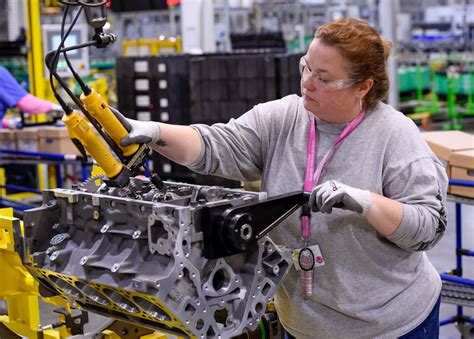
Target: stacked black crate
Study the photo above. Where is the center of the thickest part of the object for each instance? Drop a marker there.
(288, 76)
(173, 90)
(295, 77)
(124, 68)
(283, 75)
(256, 81)
(195, 86)
(170, 88)
(270, 81)
(226, 86)
(264, 42)
(134, 87)
(201, 89)
(155, 88)
(142, 88)
(249, 80)
(208, 79)
(170, 104)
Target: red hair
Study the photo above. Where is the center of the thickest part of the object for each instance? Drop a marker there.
(365, 51)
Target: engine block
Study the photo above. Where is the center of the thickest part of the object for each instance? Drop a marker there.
(136, 254)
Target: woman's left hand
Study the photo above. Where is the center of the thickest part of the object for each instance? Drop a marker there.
(335, 194)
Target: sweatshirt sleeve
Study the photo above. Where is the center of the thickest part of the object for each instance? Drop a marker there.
(234, 150)
(421, 187)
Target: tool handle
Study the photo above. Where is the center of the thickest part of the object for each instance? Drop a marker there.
(81, 130)
(101, 112)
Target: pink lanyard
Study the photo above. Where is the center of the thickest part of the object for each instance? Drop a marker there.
(312, 178)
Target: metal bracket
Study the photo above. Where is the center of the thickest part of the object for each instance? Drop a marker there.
(230, 230)
(74, 322)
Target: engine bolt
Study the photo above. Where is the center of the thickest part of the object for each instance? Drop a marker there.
(54, 255)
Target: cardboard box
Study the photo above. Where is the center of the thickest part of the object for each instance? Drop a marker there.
(443, 143)
(55, 140)
(7, 140)
(462, 167)
(454, 148)
(27, 139)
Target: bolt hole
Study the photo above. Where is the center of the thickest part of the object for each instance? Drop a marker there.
(220, 280)
(199, 324)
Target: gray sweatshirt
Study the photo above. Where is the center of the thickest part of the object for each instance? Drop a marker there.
(371, 285)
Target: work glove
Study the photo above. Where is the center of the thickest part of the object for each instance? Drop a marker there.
(140, 132)
(335, 194)
(56, 107)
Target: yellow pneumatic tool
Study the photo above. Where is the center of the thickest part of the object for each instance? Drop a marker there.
(101, 112)
(118, 162)
(120, 166)
(84, 137)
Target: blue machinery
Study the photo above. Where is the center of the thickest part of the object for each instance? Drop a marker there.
(455, 276)
(58, 160)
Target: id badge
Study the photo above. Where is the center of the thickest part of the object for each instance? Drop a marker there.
(306, 258)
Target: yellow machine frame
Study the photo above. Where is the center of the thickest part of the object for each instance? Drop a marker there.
(17, 286)
(152, 46)
(35, 50)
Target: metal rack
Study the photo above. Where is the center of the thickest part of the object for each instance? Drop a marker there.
(456, 289)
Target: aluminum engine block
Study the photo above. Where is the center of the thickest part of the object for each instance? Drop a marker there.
(136, 254)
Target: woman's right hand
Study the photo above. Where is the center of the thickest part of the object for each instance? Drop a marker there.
(142, 132)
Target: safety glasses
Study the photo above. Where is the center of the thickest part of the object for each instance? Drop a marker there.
(320, 82)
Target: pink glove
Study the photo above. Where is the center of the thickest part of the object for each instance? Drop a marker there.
(33, 105)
